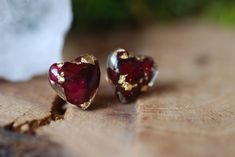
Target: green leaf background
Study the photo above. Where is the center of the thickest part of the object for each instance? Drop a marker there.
(96, 15)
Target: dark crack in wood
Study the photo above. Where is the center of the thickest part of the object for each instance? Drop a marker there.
(57, 112)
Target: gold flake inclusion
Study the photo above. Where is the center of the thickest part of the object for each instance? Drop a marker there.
(60, 79)
(124, 56)
(126, 85)
(60, 65)
(140, 58)
(88, 59)
(85, 105)
(146, 76)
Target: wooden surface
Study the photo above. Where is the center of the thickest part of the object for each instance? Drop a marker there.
(191, 111)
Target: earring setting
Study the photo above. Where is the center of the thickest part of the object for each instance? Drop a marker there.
(131, 75)
(77, 81)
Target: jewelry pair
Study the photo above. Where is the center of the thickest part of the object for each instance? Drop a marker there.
(77, 81)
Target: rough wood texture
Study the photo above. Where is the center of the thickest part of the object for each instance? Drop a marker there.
(191, 111)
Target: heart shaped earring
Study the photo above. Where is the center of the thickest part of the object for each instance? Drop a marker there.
(77, 81)
(131, 75)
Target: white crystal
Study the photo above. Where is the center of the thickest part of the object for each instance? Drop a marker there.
(31, 36)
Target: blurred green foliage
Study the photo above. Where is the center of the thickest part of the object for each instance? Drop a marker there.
(222, 11)
(92, 15)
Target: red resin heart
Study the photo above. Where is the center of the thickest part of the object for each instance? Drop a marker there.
(131, 75)
(77, 81)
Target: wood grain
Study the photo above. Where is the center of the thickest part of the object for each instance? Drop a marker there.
(191, 111)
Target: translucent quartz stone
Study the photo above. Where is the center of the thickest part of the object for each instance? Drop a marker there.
(32, 36)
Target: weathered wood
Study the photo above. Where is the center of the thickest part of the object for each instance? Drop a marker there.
(14, 145)
(191, 111)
